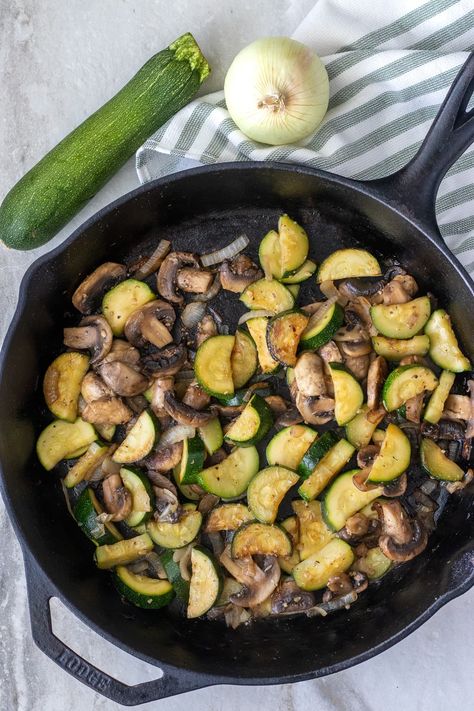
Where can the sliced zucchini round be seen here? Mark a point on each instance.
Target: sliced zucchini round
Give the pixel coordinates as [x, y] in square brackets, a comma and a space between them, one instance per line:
[173, 572]
[347, 263]
[84, 466]
[444, 347]
[348, 394]
[256, 538]
[212, 365]
[313, 531]
[60, 439]
[123, 552]
[374, 564]
[206, 583]
[176, 535]
[269, 254]
[314, 572]
[228, 517]
[396, 348]
[318, 449]
[306, 270]
[252, 424]
[139, 441]
[359, 430]
[86, 510]
[212, 435]
[322, 326]
[343, 499]
[294, 245]
[269, 295]
[123, 300]
[405, 382]
[401, 320]
[393, 458]
[288, 562]
[192, 461]
[437, 464]
[435, 407]
[326, 469]
[141, 590]
[258, 331]
[243, 359]
[289, 445]
[283, 335]
[185, 489]
[143, 498]
[231, 477]
[62, 384]
[266, 491]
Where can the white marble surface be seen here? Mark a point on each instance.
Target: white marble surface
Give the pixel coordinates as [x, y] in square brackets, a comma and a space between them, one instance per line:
[59, 61]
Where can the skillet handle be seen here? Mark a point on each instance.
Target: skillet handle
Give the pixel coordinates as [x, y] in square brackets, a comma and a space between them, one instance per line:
[450, 134]
[39, 595]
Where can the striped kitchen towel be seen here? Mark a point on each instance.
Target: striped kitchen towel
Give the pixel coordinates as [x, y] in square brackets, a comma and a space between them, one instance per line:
[390, 65]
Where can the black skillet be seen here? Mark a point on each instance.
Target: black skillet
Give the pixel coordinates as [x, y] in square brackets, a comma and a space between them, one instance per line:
[201, 209]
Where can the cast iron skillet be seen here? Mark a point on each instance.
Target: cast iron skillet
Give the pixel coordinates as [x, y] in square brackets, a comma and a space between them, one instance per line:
[200, 209]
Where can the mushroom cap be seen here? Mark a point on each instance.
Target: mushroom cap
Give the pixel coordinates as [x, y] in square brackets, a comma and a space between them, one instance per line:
[314, 410]
[166, 457]
[91, 290]
[93, 334]
[165, 361]
[168, 272]
[107, 411]
[151, 322]
[402, 538]
[123, 379]
[117, 499]
[237, 274]
[184, 414]
[123, 351]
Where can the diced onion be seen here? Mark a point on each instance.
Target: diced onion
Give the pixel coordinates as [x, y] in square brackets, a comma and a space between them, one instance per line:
[177, 434]
[154, 260]
[228, 252]
[193, 313]
[254, 314]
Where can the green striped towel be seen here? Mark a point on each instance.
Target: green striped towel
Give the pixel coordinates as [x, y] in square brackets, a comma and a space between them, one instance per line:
[390, 65]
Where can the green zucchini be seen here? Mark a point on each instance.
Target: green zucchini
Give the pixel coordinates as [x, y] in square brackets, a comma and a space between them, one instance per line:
[393, 458]
[61, 439]
[374, 564]
[252, 424]
[255, 538]
[435, 407]
[405, 382]
[313, 531]
[176, 535]
[84, 466]
[243, 359]
[348, 263]
[143, 498]
[322, 326]
[85, 511]
[396, 348]
[62, 384]
[228, 517]
[231, 477]
[141, 590]
[139, 441]
[288, 562]
[192, 461]
[304, 272]
[343, 499]
[258, 331]
[123, 552]
[51, 193]
[121, 301]
[212, 435]
[326, 469]
[318, 449]
[289, 445]
[266, 491]
[269, 254]
[314, 572]
[294, 245]
[269, 295]
[444, 347]
[173, 573]
[283, 335]
[206, 582]
[348, 394]
[212, 365]
[294, 289]
[437, 464]
[378, 437]
[401, 320]
[359, 430]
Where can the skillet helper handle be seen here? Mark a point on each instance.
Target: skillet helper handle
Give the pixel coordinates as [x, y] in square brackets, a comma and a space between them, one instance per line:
[39, 595]
[450, 134]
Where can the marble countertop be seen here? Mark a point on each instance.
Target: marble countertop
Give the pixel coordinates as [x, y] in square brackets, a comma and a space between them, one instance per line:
[58, 63]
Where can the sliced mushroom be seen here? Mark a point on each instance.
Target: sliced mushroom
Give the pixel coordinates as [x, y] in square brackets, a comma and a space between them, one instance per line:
[122, 351]
[414, 408]
[93, 387]
[360, 286]
[358, 365]
[454, 486]
[402, 539]
[399, 290]
[183, 414]
[356, 526]
[166, 457]
[340, 584]
[195, 281]
[457, 407]
[107, 411]
[159, 387]
[366, 455]
[91, 290]
[396, 487]
[237, 274]
[445, 429]
[165, 361]
[470, 421]
[314, 410]
[117, 499]
[259, 582]
[288, 597]
[357, 313]
[160, 480]
[93, 334]
[168, 273]
[376, 416]
[330, 353]
[353, 341]
[124, 379]
[377, 373]
[196, 397]
[291, 417]
[206, 329]
[167, 507]
[309, 375]
[227, 410]
[151, 323]
[277, 404]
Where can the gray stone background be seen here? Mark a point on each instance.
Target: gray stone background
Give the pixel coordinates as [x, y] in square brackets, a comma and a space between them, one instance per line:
[59, 61]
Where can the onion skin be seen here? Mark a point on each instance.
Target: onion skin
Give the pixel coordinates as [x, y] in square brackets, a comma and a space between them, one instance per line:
[277, 91]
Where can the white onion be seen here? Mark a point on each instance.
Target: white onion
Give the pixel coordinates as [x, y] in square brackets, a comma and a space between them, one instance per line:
[177, 434]
[277, 90]
[154, 260]
[259, 313]
[228, 252]
[193, 313]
